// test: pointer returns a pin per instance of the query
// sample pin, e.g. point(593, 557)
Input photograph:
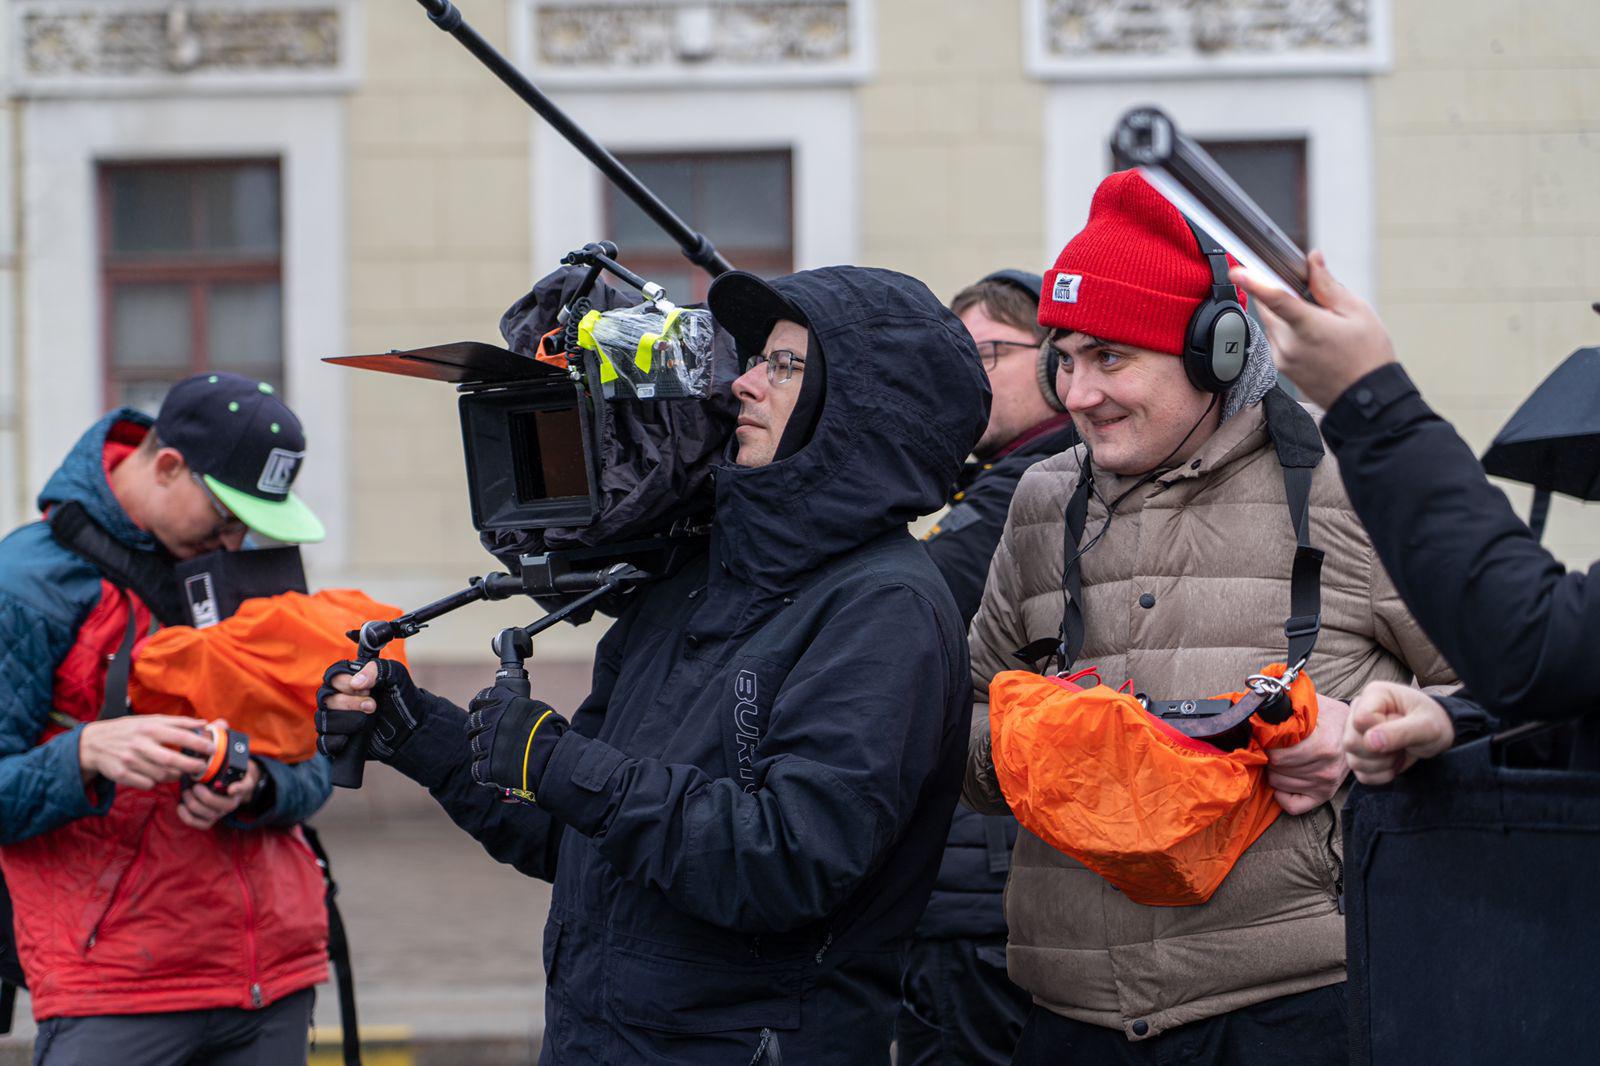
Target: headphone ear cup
point(1219, 336)
point(1045, 373)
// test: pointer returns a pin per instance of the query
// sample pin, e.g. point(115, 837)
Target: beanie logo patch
point(1065, 289)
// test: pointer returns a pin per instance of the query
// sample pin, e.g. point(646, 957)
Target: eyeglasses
point(781, 365)
point(228, 523)
point(989, 351)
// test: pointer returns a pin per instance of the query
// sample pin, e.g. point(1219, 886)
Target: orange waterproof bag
point(259, 669)
point(1161, 816)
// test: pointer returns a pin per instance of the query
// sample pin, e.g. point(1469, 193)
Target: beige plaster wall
point(952, 157)
point(1488, 186)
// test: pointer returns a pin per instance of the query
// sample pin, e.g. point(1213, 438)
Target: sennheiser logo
point(202, 595)
point(278, 472)
point(746, 727)
point(1233, 347)
point(1065, 290)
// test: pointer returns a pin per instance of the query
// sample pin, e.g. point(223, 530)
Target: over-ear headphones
point(1044, 370)
point(1218, 335)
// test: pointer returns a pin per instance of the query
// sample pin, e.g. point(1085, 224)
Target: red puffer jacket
point(134, 912)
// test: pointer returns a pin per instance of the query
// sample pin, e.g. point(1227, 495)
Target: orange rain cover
point(259, 669)
point(1161, 816)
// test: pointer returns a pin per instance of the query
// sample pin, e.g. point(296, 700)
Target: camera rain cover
point(655, 455)
point(653, 352)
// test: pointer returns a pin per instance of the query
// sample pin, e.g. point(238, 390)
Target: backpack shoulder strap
point(1068, 645)
point(1298, 443)
point(149, 578)
point(338, 952)
point(147, 574)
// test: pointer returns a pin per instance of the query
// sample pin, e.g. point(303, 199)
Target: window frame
point(764, 261)
point(198, 272)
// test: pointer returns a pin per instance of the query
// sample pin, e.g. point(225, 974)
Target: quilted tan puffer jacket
point(1186, 594)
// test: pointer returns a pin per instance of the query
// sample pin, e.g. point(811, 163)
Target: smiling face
point(765, 405)
point(1132, 406)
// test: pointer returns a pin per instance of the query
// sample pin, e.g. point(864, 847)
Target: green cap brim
point(290, 521)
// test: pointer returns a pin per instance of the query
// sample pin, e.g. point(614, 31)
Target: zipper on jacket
point(249, 926)
point(827, 942)
point(122, 885)
point(1338, 864)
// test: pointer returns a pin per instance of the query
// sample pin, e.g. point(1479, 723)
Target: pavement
point(445, 941)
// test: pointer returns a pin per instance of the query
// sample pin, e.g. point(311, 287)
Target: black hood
point(906, 399)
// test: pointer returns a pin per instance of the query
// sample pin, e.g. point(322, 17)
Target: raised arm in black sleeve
point(1520, 631)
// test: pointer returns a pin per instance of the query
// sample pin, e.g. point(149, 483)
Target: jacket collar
point(82, 477)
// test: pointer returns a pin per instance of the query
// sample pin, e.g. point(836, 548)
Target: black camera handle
point(696, 248)
point(515, 644)
point(349, 766)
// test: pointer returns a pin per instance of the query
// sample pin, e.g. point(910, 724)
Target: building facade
point(258, 184)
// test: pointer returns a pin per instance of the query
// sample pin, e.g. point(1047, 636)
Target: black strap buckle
point(1303, 625)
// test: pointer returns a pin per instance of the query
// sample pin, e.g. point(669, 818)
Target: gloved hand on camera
point(512, 739)
point(382, 693)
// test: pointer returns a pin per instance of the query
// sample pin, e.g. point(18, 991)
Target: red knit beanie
point(1133, 275)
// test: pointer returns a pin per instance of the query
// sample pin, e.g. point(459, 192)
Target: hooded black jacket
point(756, 792)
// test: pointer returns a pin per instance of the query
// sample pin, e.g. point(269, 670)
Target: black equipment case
point(1472, 928)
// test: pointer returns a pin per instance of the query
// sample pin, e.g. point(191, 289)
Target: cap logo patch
point(1065, 289)
point(278, 472)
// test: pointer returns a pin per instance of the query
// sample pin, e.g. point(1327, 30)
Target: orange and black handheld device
point(230, 757)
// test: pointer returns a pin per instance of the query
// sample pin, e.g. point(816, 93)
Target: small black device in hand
point(229, 761)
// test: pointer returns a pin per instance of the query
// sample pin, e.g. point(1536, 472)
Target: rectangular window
point(192, 272)
point(1274, 174)
point(742, 201)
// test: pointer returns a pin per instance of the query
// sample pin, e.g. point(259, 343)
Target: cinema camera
point(549, 436)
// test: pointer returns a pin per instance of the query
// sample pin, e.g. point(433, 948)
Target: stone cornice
point(1110, 39)
point(100, 47)
point(609, 44)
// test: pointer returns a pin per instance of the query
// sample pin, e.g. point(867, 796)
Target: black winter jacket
point(966, 901)
point(745, 820)
point(1521, 632)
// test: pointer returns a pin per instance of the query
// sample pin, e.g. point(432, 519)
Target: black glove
point(402, 707)
point(512, 739)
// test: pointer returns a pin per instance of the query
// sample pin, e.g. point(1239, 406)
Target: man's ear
point(169, 466)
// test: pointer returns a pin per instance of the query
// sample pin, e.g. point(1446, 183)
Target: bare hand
point(1392, 726)
point(1325, 347)
point(200, 807)
point(355, 690)
point(142, 750)
point(1306, 775)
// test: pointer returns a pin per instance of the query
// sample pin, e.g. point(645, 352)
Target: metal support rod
point(696, 248)
point(1147, 137)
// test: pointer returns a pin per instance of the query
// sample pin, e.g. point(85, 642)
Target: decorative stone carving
point(672, 34)
point(1154, 28)
point(110, 41)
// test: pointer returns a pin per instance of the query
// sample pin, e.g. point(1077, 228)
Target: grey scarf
point(1258, 378)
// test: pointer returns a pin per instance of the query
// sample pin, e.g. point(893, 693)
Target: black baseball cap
point(747, 306)
point(247, 446)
